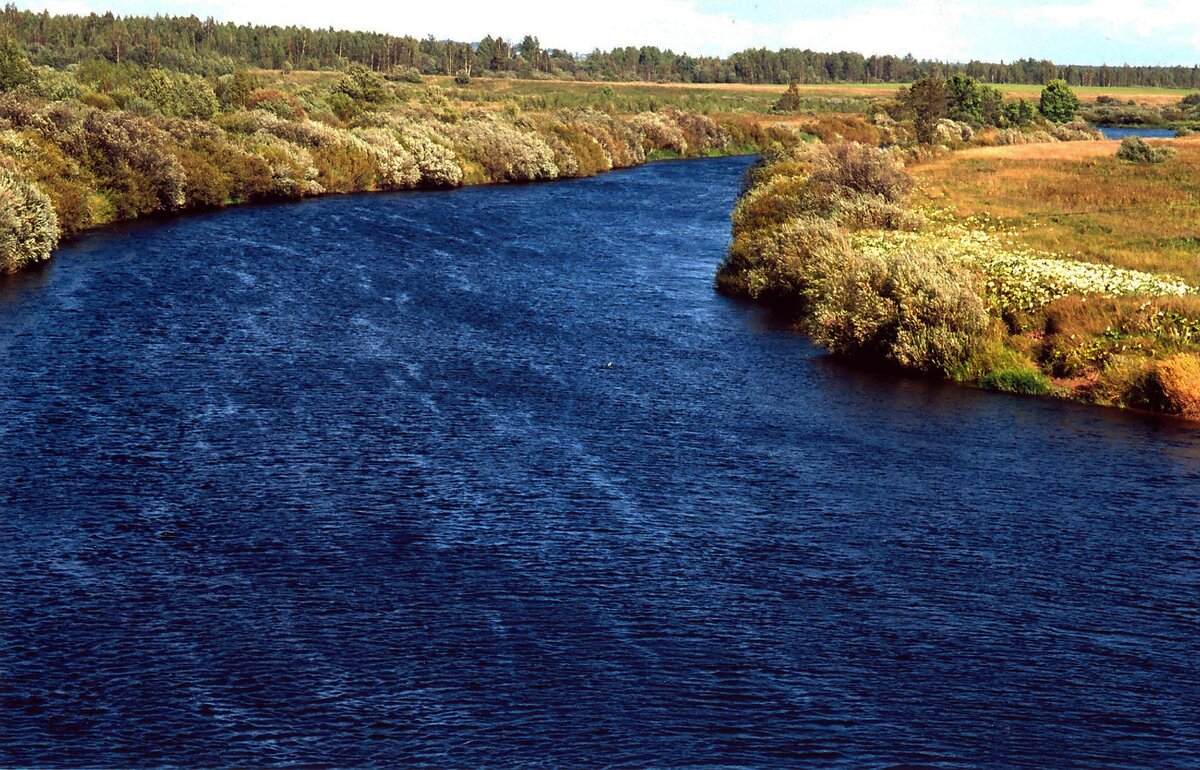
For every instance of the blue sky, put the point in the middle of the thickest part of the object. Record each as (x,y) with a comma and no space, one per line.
(1067,31)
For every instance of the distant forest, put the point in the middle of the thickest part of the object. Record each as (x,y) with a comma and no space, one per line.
(210,47)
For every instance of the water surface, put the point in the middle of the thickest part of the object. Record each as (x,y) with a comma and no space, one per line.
(1120,132)
(493,478)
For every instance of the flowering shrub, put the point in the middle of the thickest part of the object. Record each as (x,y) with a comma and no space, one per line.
(660,132)
(438,162)
(506,153)
(28,224)
(915,309)
(395,166)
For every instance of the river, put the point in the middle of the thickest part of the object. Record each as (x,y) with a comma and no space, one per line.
(494,478)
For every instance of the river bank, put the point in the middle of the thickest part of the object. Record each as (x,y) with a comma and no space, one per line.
(1023,269)
(67,167)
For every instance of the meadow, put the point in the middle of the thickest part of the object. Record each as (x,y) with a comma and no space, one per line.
(1079,199)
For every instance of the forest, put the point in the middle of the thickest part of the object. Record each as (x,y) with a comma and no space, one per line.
(209,47)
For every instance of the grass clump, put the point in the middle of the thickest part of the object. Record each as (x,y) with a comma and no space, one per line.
(1025,381)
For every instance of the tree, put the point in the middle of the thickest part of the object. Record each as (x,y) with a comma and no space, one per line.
(361,85)
(235,92)
(992,104)
(1018,112)
(789,102)
(928,100)
(965,99)
(1059,103)
(14,66)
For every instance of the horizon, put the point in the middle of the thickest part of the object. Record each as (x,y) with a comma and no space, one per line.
(1090,33)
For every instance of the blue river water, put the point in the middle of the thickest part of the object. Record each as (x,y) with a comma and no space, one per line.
(494,478)
(1120,132)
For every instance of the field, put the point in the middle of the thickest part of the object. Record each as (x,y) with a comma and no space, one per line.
(1078,199)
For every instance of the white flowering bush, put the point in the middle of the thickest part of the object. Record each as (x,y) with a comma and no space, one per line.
(293,172)
(506,153)
(438,163)
(660,132)
(396,168)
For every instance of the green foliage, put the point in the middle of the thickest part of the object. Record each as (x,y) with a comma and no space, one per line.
(928,100)
(234,90)
(915,310)
(28,224)
(1059,104)
(790,102)
(177,95)
(1135,150)
(15,70)
(361,85)
(1019,113)
(964,99)
(1025,381)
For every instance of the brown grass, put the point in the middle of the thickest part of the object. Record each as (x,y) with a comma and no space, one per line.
(1076,198)
(1178,377)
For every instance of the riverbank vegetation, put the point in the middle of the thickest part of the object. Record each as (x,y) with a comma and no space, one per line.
(1044,268)
(100,142)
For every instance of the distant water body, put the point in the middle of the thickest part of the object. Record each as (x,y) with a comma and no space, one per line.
(493,478)
(1120,132)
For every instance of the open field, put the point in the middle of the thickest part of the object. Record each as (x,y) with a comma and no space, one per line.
(1078,199)
(767,93)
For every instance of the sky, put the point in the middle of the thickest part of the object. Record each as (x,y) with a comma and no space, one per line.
(1066,31)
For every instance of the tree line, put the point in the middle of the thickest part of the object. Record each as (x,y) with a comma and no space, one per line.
(211,47)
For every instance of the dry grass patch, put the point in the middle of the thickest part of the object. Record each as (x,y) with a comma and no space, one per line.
(1079,200)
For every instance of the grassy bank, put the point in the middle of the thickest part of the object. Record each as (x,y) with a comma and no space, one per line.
(1046,269)
(102,143)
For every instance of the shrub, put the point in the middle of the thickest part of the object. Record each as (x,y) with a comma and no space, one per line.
(405,75)
(914,310)
(1018,112)
(437,162)
(15,70)
(506,153)
(1058,104)
(1135,150)
(854,167)
(660,132)
(28,224)
(276,102)
(362,85)
(781,265)
(133,161)
(395,166)
(233,91)
(177,95)
(53,85)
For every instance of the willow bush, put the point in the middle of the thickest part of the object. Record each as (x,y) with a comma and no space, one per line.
(28,224)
